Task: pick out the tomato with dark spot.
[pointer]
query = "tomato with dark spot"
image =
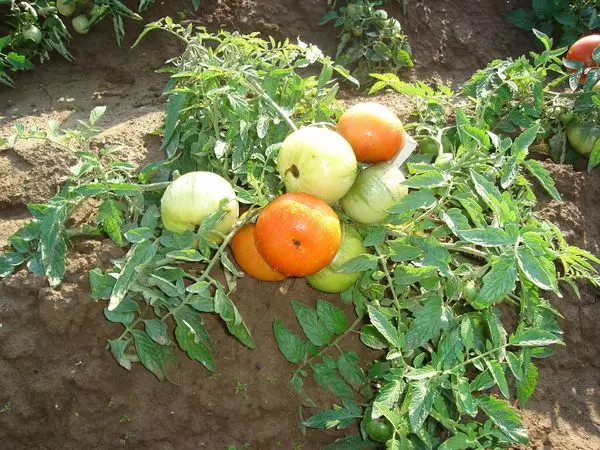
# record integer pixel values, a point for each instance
(298, 234)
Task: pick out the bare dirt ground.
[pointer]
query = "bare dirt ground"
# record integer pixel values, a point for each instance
(60, 387)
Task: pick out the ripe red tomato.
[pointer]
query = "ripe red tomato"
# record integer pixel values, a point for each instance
(582, 51)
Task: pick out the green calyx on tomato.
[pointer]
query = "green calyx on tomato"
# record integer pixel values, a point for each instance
(380, 430)
(194, 196)
(375, 190)
(328, 279)
(583, 136)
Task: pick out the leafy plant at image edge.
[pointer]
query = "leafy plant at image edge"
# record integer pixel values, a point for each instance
(232, 100)
(452, 259)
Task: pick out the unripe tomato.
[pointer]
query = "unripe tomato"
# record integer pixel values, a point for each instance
(373, 131)
(317, 161)
(81, 24)
(328, 280)
(298, 234)
(428, 145)
(194, 196)
(66, 7)
(380, 15)
(379, 430)
(583, 136)
(33, 34)
(470, 291)
(376, 189)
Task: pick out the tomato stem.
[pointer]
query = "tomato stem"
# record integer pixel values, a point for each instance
(261, 92)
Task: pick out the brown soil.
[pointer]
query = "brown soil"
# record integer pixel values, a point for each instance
(63, 389)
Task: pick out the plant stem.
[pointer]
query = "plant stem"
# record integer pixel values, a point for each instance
(261, 92)
(463, 249)
(383, 261)
(154, 186)
(475, 358)
(332, 344)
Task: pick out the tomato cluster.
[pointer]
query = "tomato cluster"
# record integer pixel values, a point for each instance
(299, 234)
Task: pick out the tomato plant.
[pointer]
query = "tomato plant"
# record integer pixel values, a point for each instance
(370, 41)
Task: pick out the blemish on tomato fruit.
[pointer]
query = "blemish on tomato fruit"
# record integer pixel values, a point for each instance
(296, 243)
(294, 170)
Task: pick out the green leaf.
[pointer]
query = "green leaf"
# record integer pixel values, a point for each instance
(594, 158)
(359, 264)
(188, 254)
(487, 191)
(538, 171)
(96, 114)
(534, 337)
(195, 350)
(139, 234)
(426, 324)
(459, 441)
(174, 105)
(117, 347)
(389, 393)
(233, 319)
(101, 284)
(526, 386)
(499, 377)
(150, 217)
(422, 396)
(464, 398)
(337, 418)
(347, 364)
(153, 357)
(525, 139)
(383, 325)
(372, 338)
(539, 270)
(504, 417)
(53, 243)
(157, 330)
(515, 365)
(415, 200)
(315, 330)
(332, 317)
(487, 237)
(429, 179)
(498, 282)
(9, 262)
(110, 219)
(352, 443)
(290, 345)
(139, 255)
(401, 252)
(326, 377)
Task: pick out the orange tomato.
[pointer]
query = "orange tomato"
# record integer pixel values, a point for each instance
(373, 130)
(582, 51)
(245, 252)
(298, 234)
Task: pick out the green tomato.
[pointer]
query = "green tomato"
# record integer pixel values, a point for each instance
(379, 430)
(33, 33)
(428, 145)
(194, 196)
(470, 291)
(444, 161)
(380, 15)
(81, 24)
(66, 7)
(376, 189)
(566, 116)
(583, 136)
(328, 280)
(357, 31)
(317, 161)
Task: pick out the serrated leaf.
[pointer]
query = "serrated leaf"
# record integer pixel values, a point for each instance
(332, 317)
(498, 282)
(359, 264)
(195, 350)
(464, 399)
(101, 284)
(327, 378)
(498, 374)
(233, 319)
(538, 269)
(289, 343)
(389, 393)
(315, 330)
(110, 219)
(422, 198)
(526, 386)
(53, 243)
(117, 347)
(421, 403)
(426, 324)
(466, 333)
(138, 234)
(383, 325)
(504, 417)
(347, 364)
(534, 337)
(188, 254)
(594, 158)
(459, 441)
(428, 179)
(514, 363)
(153, 357)
(372, 338)
(337, 418)
(487, 237)
(538, 171)
(157, 330)
(96, 114)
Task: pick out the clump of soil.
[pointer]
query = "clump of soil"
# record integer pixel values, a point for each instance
(60, 388)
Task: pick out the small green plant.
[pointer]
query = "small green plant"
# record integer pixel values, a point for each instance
(6, 408)
(566, 20)
(369, 40)
(242, 388)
